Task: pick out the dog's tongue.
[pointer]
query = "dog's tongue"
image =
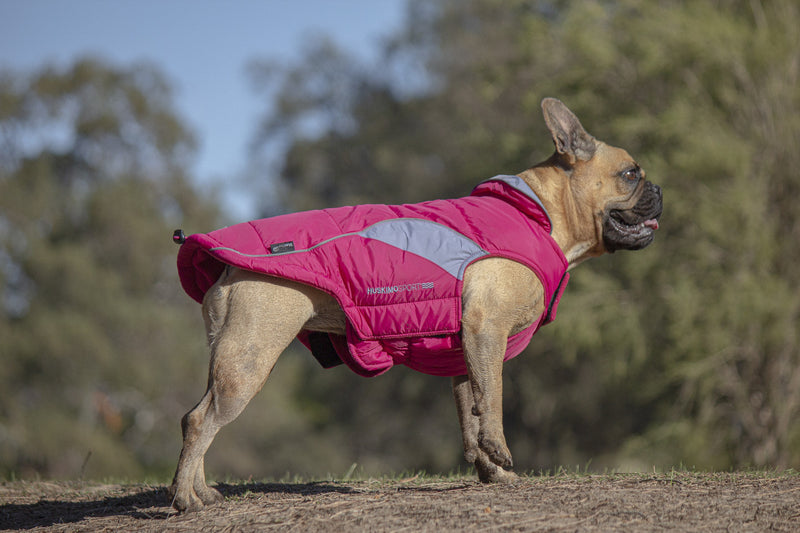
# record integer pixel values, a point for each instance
(652, 223)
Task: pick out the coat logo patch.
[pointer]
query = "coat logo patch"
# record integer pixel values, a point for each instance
(406, 287)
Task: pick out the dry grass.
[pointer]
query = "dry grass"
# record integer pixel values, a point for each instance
(752, 501)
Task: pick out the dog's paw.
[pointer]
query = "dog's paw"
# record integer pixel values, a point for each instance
(209, 496)
(491, 473)
(497, 451)
(187, 503)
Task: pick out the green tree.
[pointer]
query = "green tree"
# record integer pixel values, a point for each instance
(686, 352)
(96, 336)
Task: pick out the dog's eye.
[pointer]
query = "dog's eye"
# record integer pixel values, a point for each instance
(631, 174)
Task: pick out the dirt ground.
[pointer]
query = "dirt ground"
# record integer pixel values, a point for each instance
(617, 502)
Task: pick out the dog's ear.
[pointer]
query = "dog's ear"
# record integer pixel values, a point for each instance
(570, 138)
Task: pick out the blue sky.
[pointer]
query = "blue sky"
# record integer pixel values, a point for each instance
(203, 46)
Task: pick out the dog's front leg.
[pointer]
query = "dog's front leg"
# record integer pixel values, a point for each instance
(488, 472)
(484, 348)
(500, 297)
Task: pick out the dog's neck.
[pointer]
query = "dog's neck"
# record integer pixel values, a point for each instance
(568, 216)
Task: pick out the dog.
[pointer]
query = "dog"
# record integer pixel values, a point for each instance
(470, 279)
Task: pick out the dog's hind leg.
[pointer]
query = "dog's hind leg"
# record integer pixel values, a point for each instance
(488, 472)
(252, 320)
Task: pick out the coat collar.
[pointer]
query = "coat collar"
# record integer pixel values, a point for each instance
(515, 190)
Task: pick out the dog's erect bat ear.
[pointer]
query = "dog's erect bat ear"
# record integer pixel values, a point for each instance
(569, 136)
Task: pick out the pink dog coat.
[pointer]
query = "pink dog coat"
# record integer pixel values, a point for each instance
(396, 270)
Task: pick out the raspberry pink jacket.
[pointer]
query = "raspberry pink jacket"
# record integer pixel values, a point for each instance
(396, 270)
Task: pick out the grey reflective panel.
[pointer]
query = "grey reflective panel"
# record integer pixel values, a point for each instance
(439, 244)
(520, 184)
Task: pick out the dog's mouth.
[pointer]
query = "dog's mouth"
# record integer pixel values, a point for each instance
(634, 228)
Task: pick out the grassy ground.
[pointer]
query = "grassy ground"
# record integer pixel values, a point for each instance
(674, 501)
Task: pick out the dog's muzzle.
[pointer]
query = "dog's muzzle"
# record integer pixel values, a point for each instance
(634, 228)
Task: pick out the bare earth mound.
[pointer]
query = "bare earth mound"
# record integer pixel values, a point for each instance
(677, 501)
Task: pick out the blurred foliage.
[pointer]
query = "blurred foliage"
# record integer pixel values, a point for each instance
(684, 353)
(93, 327)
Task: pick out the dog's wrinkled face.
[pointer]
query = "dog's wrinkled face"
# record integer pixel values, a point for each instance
(629, 221)
(625, 206)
